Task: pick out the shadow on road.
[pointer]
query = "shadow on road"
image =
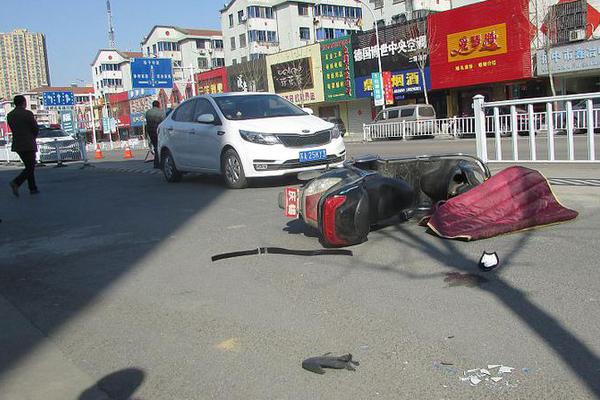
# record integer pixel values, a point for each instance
(61, 250)
(120, 385)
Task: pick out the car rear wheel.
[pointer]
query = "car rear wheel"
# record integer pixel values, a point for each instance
(170, 171)
(232, 170)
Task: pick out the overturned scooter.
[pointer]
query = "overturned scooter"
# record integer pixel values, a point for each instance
(343, 204)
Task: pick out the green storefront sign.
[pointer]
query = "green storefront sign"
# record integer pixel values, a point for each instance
(338, 69)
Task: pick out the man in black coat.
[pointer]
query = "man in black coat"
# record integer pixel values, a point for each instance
(24, 129)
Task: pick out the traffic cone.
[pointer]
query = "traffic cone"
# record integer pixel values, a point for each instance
(128, 152)
(98, 155)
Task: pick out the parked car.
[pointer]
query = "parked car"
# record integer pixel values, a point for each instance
(338, 123)
(245, 135)
(414, 115)
(50, 140)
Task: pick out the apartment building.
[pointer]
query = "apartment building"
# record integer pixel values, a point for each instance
(193, 50)
(23, 62)
(111, 71)
(254, 28)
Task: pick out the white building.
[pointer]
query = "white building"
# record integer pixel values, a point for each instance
(194, 50)
(111, 71)
(253, 28)
(389, 12)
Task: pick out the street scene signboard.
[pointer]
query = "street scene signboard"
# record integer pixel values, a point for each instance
(377, 88)
(151, 73)
(52, 99)
(66, 122)
(338, 69)
(483, 43)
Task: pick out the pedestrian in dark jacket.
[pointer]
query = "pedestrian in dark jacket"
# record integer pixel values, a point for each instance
(24, 129)
(154, 117)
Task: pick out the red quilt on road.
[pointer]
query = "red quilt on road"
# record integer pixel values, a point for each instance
(517, 198)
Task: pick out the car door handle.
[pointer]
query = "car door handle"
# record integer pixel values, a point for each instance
(192, 132)
(169, 129)
(220, 133)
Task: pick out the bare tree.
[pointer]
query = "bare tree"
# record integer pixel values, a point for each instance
(543, 16)
(249, 76)
(418, 34)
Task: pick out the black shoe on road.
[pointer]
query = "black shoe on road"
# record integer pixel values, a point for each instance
(34, 191)
(15, 189)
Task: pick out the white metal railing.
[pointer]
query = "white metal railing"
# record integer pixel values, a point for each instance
(554, 116)
(450, 127)
(134, 144)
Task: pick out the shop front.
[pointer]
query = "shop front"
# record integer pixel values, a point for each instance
(213, 81)
(575, 67)
(487, 51)
(404, 62)
(296, 75)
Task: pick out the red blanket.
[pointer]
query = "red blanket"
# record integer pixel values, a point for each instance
(517, 198)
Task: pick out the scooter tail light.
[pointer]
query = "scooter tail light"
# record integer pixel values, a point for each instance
(330, 207)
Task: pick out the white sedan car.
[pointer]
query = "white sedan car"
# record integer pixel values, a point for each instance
(245, 135)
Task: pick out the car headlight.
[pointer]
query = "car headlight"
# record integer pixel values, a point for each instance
(259, 138)
(335, 132)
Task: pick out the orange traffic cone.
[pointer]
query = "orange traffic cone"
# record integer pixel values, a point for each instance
(98, 155)
(128, 152)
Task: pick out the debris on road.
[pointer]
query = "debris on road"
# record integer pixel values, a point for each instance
(316, 364)
(490, 375)
(279, 250)
(489, 261)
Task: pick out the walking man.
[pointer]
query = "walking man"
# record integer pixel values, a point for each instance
(154, 116)
(24, 129)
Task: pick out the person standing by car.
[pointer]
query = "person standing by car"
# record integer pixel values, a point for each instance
(25, 130)
(154, 117)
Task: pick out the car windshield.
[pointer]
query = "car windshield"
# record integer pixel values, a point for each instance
(51, 133)
(255, 106)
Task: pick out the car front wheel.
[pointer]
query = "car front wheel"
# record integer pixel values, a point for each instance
(232, 170)
(172, 174)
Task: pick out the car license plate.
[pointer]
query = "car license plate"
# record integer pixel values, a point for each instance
(312, 155)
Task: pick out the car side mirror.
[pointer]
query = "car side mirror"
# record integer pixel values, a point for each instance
(308, 110)
(206, 119)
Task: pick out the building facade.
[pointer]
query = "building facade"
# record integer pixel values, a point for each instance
(253, 29)
(23, 62)
(111, 71)
(192, 50)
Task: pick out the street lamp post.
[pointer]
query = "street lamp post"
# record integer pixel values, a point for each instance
(377, 41)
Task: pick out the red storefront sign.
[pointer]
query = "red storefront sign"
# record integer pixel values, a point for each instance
(119, 105)
(388, 89)
(213, 81)
(481, 43)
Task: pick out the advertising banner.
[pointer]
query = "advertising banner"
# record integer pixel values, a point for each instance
(292, 75)
(403, 83)
(377, 88)
(481, 43)
(151, 73)
(400, 45)
(338, 69)
(297, 74)
(388, 93)
(213, 81)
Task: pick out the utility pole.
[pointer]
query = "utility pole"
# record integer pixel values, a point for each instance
(111, 30)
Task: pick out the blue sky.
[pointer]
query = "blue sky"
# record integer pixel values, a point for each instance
(76, 29)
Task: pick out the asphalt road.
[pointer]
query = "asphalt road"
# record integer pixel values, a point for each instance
(109, 274)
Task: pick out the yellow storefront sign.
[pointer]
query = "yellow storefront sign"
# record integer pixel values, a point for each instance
(475, 43)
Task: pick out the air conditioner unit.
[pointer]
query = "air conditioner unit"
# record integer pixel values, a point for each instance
(244, 19)
(576, 35)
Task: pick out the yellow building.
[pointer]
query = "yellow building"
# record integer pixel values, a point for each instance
(297, 74)
(23, 62)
